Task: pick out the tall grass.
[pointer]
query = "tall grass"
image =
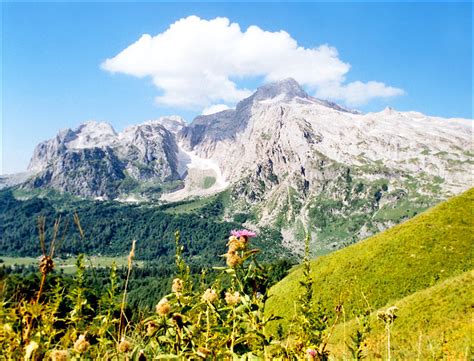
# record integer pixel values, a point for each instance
(224, 319)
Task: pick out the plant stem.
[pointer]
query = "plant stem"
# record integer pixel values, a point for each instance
(388, 342)
(325, 342)
(208, 326)
(124, 298)
(232, 339)
(122, 306)
(43, 280)
(419, 347)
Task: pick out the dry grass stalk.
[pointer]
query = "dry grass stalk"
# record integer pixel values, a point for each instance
(124, 297)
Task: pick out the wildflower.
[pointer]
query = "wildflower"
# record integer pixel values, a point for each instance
(232, 239)
(209, 295)
(177, 286)
(311, 354)
(59, 355)
(163, 307)
(389, 315)
(391, 310)
(124, 346)
(151, 328)
(234, 244)
(81, 345)
(232, 298)
(232, 259)
(381, 315)
(29, 349)
(243, 240)
(243, 233)
(46, 264)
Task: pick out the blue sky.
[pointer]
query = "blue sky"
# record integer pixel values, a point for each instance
(53, 75)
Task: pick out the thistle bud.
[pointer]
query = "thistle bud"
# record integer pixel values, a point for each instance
(81, 345)
(177, 286)
(163, 307)
(209, 295)
(59, 355)
(124, 346)
(232, 298)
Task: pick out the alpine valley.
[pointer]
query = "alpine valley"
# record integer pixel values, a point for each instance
(281, 160)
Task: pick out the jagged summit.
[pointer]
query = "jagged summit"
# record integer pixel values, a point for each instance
(173, 123)
(291, 158)
(96, 124)
(285, 89)
(276, 139)
(92, 159)
(91, 134)
(288, 90)
(228, 123)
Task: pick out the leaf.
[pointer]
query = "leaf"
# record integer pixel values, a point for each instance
(274, 318)
(165, 339)
(186, 309)
(167, 357)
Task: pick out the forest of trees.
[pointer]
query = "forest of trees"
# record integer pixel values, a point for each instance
(110, 227)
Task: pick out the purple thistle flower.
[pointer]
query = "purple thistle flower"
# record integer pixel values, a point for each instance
(242, 233)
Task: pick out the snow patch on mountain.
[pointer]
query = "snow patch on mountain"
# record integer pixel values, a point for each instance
(195, 170)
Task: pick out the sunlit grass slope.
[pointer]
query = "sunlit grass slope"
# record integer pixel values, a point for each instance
(389, 266)
(435, 323)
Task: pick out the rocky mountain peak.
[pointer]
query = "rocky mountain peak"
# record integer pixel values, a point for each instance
(92, 134)
(285, 89)
(173, 123)
(389, 110)
(95, 125)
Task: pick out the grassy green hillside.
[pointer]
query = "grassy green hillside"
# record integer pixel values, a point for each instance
(394, 264)
(435, 323)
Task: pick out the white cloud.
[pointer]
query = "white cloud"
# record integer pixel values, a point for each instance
(215, 108)
(357, 92)
(196, 62)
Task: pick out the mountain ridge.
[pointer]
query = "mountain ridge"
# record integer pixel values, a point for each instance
(289, 160)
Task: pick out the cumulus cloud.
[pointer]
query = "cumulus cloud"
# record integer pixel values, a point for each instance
(215, 108)
(196, 63)
(358, 93)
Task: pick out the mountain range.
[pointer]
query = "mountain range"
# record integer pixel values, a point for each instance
(288, 160)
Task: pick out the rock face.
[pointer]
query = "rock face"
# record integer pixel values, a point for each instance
(150, 152)
(289, 160)
(94, 160)
(89, 172)
(308, 165)
(277, 132)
